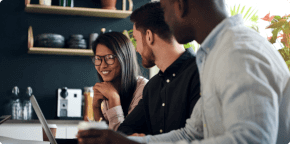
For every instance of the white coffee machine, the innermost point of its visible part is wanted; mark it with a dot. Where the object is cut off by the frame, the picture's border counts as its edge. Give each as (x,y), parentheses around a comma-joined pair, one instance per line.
(69,103)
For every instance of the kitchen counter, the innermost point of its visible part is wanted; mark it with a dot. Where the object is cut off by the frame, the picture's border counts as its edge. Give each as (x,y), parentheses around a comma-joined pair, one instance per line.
(37,121)
(32,129)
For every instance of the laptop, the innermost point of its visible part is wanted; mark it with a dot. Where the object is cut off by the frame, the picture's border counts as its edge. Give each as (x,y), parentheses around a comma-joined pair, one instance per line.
(42,120)
(4,118)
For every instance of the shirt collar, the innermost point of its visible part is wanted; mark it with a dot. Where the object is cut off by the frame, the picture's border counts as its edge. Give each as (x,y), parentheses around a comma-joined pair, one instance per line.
(177,64)
(211,39)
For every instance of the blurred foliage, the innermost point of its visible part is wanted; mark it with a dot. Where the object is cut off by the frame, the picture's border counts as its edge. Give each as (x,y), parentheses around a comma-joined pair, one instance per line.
(249,15)
(280,26)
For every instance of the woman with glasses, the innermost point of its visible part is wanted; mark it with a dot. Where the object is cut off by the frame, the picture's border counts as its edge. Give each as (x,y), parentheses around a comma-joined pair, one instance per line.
(121,87)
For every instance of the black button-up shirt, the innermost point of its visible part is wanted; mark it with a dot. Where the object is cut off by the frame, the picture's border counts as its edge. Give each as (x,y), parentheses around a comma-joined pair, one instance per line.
(168,99)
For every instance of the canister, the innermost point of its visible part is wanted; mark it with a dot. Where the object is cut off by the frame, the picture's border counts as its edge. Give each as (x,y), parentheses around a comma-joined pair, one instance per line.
(88,107)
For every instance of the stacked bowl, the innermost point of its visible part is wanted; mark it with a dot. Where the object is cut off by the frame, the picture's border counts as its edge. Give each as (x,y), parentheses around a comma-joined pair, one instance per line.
(49,40)
(77,41)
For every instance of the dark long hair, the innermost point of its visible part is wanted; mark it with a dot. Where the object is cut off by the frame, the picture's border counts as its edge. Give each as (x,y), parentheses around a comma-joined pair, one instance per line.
(121,46)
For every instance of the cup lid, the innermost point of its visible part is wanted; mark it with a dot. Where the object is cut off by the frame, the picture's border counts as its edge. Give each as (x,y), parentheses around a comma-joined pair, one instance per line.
(84,125)
(52,126)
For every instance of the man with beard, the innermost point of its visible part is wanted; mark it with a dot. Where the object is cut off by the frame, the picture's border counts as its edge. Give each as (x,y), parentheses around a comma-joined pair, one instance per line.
(170,96)
(244,81)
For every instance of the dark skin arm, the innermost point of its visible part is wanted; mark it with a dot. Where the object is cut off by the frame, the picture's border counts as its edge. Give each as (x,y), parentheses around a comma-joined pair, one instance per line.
(94,136)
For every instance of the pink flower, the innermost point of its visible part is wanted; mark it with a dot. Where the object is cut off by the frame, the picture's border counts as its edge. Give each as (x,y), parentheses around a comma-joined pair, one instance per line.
(268,18)
(268,38)
(281,35)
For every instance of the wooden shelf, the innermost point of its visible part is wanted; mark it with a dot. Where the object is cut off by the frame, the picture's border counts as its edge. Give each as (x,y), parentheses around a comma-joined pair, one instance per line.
(61,51)
(80,11)
(55,51)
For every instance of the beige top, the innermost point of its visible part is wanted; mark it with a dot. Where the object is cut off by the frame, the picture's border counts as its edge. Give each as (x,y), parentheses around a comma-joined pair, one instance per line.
(115,115)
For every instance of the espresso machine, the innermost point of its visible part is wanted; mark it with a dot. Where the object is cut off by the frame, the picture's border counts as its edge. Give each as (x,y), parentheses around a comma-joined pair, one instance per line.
(69,103)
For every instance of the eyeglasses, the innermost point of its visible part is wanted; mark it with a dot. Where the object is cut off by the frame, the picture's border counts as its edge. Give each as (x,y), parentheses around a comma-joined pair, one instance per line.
(109,59)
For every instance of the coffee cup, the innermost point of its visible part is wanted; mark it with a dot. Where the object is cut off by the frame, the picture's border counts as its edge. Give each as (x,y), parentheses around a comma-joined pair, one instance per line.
(52,128)
(84,125)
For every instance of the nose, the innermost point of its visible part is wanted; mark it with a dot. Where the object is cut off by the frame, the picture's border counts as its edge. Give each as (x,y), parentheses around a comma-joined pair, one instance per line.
(103,64)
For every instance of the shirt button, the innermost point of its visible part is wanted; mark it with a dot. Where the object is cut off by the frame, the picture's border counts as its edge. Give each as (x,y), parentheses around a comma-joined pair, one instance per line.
(161,130)
(167,80)
(163,104)
(173,74)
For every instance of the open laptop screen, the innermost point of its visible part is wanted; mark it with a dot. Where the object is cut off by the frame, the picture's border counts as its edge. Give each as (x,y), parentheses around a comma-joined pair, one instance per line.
(4,118)
(42,120)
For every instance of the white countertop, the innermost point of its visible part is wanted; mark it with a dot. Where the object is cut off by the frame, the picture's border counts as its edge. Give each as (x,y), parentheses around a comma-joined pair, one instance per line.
(48,121)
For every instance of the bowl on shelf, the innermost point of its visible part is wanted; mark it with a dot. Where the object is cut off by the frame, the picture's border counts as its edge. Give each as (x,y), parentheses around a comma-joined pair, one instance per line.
(49,36)
(50,43)
(77,36)
(76,41)
(49,40)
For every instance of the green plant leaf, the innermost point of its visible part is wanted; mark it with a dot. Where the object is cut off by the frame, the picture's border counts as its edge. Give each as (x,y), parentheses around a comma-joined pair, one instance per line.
(256,28)
(245,16)
(278,24)
(235,11)
(243,9)
(286,31)
(288,62)
(186,45)
(248,14)
(277,17)
(130,34)
(254,18)
(274,37)
(231,10)
(238,8)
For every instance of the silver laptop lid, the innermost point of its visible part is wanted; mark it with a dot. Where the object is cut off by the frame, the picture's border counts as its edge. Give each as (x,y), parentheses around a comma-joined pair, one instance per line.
(42,120)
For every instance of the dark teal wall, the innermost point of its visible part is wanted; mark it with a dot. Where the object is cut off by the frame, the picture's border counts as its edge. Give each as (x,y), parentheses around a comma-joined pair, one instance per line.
(46,73)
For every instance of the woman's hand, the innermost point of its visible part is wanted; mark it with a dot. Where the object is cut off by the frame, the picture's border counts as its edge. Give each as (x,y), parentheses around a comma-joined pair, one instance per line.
(108,91)
(98,98)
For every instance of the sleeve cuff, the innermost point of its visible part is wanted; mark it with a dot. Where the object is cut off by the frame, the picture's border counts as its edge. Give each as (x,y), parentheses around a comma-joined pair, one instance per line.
(115,114)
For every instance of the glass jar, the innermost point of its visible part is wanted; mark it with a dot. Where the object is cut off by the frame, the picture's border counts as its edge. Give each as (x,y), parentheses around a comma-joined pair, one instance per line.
(16,106)
(88,106)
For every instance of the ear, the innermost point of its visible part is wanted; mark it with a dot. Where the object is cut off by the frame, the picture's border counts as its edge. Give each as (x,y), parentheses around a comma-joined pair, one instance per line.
(181,8)
(149,37)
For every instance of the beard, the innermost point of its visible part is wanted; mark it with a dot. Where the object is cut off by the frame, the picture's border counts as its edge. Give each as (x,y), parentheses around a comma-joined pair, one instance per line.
(148,58)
